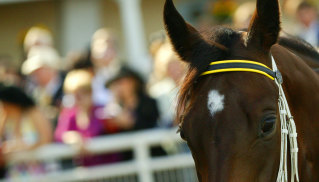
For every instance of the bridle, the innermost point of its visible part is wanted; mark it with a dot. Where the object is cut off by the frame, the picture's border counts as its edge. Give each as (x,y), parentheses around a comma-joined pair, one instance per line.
(288,127)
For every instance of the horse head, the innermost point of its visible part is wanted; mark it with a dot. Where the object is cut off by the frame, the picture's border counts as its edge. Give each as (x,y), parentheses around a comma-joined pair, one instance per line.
(229,120)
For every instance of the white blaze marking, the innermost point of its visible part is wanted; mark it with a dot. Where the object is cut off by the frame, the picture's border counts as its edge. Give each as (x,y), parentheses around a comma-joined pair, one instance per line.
(215,102)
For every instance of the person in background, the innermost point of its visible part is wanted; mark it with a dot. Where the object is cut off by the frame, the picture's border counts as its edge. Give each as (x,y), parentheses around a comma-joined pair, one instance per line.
(157,39)
(37,36)
(132,109)
(136,110)
(166,77)
(102,59)
(18,109)
(307,15)
(9,73)
(243,15)
(82,119)
(45,80)
(22,126)
(105,60)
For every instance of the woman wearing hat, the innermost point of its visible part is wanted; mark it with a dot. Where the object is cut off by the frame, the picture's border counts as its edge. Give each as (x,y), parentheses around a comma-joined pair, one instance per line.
(136,110)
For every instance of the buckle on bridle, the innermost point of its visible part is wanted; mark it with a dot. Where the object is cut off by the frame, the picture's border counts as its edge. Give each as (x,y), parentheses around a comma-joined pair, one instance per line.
(278,77)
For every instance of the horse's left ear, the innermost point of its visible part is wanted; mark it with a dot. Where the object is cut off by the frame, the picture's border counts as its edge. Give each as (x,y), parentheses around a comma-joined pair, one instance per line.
(186,40)
(264,27)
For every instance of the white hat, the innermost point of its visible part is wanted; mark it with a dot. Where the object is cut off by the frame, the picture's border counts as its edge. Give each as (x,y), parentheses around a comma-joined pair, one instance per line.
(37,36)
(41,56)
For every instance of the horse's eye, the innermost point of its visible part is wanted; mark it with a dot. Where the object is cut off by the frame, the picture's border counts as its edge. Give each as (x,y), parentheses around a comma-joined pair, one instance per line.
(268,124)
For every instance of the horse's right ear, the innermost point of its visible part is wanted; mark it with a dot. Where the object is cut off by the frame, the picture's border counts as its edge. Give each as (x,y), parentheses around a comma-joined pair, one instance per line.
(264,27)
(186,40)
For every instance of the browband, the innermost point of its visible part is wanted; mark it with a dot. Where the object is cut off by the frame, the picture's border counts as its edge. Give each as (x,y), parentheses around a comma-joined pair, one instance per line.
(239,65)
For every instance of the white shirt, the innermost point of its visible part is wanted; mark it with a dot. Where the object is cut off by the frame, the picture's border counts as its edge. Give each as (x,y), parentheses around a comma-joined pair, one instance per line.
(311,34)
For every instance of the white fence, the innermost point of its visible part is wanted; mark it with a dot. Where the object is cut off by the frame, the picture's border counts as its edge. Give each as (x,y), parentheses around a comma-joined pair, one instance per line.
(177,167)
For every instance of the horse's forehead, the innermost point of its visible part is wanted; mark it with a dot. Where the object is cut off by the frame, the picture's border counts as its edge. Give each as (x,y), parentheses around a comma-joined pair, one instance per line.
(215,102)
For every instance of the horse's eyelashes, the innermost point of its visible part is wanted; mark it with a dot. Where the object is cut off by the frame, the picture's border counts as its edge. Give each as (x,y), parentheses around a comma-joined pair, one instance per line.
(268,124)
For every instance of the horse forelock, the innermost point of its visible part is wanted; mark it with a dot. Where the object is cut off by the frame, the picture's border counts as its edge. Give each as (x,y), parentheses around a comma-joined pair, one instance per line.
(220,36)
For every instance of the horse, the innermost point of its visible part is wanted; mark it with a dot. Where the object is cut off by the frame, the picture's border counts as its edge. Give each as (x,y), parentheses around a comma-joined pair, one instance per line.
(231,120)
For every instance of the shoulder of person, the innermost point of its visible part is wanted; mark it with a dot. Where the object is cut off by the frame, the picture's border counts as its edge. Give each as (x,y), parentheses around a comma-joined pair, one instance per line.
(147,100)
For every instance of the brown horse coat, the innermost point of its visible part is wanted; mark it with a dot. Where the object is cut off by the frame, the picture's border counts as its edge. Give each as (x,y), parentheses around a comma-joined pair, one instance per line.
(240,141)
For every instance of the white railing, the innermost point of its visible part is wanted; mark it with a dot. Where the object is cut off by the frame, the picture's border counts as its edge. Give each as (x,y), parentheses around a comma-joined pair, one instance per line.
(142,168)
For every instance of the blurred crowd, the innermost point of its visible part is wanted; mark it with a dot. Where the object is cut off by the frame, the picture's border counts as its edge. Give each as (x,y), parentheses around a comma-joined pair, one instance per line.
(72,100)
(84,95)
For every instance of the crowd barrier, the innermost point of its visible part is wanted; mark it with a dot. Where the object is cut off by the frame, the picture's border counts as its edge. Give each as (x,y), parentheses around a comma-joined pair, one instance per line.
(177,166)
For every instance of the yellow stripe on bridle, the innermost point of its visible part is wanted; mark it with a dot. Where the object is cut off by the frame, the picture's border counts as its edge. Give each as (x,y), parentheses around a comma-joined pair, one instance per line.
(232,68)
(238,69)
(238,61)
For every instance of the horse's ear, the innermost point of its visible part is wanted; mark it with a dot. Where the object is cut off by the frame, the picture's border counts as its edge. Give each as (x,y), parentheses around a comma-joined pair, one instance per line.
(264,27)
(186,40)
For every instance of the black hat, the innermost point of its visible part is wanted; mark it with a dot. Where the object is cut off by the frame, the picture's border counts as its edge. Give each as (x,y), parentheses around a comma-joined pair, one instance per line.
(126,72)
(15,95)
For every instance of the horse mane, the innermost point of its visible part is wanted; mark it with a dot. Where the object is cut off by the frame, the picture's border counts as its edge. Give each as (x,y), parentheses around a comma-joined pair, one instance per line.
(299,45)
(221,37)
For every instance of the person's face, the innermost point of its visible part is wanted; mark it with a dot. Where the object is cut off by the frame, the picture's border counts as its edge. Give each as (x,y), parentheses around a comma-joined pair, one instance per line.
(9,75)
(103,52)
(306,16)
(83,97)
(43,75)
(175,70)
(123,88)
